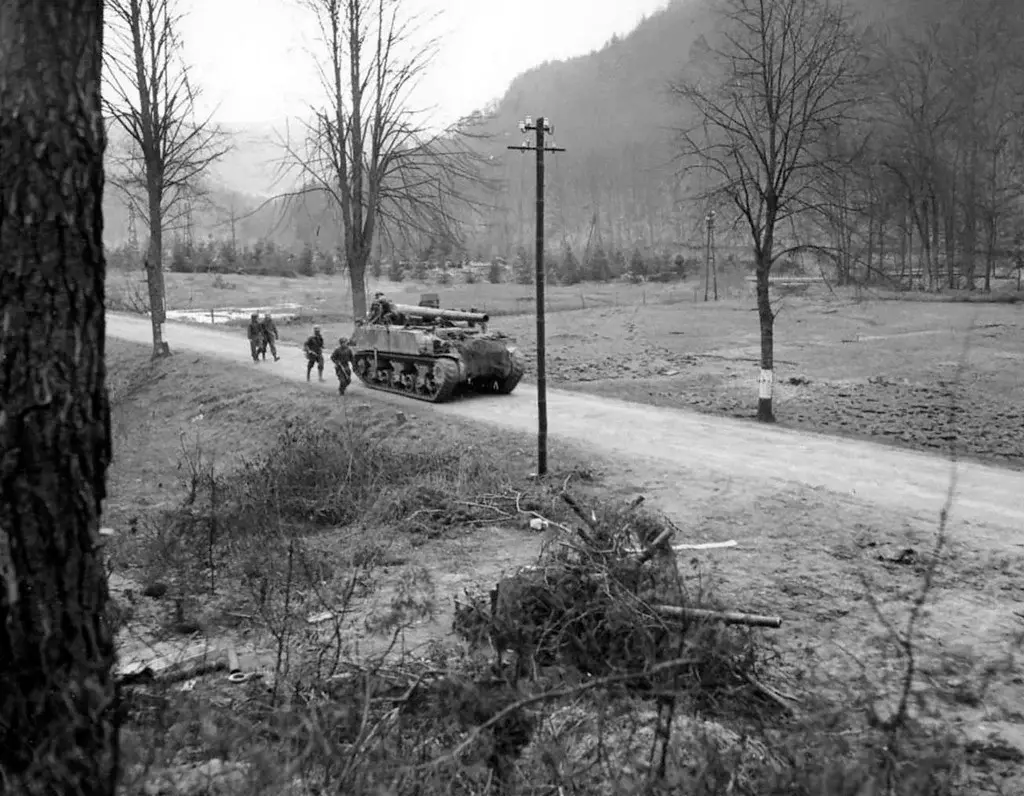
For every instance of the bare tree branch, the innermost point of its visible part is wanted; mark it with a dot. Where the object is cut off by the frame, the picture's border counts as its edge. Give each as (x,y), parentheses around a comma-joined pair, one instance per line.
(168,152)
(367,149)
(773,92)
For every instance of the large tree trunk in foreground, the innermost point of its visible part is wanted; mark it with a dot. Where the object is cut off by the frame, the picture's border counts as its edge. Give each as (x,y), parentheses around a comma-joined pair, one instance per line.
(58,732)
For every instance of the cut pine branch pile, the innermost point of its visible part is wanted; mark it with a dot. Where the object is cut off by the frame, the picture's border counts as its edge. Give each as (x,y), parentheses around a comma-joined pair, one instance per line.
(606,598)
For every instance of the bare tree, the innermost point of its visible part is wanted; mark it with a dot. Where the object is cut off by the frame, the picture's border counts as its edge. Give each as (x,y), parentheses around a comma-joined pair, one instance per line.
(779,83)
(152,99)
(368,149)
(58,731)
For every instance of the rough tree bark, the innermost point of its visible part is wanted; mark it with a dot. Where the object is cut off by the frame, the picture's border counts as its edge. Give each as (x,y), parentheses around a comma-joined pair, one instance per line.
(58,733)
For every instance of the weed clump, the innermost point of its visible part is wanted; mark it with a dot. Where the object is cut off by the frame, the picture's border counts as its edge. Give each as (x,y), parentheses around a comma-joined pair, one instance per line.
(607,600)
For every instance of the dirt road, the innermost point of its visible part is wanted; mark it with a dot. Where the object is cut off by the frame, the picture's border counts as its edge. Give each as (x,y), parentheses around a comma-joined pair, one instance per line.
(692,445)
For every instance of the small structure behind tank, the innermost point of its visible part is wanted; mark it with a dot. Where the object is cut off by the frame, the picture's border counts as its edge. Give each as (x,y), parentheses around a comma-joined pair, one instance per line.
(430,353)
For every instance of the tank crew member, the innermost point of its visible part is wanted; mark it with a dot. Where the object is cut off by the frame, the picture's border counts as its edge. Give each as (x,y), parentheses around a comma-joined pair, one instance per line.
(314,350)
(382,310)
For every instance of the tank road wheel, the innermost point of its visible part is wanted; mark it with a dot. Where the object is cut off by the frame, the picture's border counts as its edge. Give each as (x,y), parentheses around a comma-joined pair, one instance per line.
(441,381)
(364,369)
(506,385)
(423,377)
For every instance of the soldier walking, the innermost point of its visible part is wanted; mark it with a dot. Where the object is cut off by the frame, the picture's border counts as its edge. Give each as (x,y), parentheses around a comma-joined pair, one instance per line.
(255,333)
(342,359)
(269,336)
(314,349)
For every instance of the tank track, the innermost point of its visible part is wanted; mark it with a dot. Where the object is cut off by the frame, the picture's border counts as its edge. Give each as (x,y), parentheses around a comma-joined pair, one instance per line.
(509,383)
(422,378)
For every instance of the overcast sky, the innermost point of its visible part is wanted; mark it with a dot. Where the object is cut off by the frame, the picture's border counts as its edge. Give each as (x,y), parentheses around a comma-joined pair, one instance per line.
(251,58)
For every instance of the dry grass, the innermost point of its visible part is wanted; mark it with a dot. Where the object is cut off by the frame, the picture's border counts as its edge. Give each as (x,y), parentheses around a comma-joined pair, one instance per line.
(329,297)
(340,506)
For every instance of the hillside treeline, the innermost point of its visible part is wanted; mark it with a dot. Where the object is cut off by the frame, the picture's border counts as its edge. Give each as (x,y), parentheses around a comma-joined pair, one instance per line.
(926,189)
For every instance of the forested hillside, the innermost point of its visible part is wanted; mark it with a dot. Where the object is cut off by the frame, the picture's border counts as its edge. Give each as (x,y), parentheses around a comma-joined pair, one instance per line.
(928,169)
(613,113)
(933,161)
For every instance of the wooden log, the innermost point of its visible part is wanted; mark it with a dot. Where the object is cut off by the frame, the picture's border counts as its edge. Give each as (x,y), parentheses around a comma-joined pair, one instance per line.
(172,664)
(652,548)
(705,545)
(728,617)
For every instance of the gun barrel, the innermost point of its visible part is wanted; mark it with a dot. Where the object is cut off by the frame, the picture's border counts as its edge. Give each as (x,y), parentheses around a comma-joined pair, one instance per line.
(433,312)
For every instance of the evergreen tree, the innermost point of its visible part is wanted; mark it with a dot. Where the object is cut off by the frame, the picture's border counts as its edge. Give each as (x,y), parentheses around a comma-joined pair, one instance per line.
(306,264)
(523,267)
(619,264)
(599,268)
(572,273)
(638,265)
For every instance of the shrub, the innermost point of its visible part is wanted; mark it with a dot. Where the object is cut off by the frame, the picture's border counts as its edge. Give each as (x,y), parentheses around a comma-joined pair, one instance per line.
(307,261)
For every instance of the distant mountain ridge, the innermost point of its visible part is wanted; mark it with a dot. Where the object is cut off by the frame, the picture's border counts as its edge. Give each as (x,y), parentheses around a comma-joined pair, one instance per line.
(603,104)
(616,183)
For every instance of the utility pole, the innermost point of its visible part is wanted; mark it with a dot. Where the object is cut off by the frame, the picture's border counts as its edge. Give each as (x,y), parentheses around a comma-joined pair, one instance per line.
(710,266)
(542,126)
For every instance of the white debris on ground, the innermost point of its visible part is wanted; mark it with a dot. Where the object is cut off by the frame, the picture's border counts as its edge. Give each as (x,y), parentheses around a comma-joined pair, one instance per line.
(219,315)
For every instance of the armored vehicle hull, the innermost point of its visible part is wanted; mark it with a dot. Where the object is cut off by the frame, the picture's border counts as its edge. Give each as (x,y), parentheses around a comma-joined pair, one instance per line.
(431,354)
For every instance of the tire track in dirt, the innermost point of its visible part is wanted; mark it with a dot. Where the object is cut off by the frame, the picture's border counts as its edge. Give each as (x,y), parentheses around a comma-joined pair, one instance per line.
(691,445)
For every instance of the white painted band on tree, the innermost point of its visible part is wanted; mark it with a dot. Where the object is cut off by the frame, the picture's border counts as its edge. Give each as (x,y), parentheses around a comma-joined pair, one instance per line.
(764,385)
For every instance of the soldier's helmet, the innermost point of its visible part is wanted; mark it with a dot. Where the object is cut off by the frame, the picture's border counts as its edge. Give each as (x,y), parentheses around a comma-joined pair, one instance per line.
(316,330)
(255,316)
(266,315)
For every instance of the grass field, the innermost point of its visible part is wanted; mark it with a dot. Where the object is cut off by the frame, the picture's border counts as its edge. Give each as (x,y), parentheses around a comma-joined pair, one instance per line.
(330,297)
(828,565)
(887,370)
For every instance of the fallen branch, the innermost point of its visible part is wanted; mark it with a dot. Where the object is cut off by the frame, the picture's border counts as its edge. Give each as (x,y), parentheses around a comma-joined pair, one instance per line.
(653,547)
(728,617)
(705,545)
(784,701)
(591,523)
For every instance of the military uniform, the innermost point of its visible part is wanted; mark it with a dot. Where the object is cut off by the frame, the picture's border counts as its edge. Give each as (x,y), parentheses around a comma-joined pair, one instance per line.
(314,349)
(255,336)
(342,359)
(381,310)
(269,336)
(376,308)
